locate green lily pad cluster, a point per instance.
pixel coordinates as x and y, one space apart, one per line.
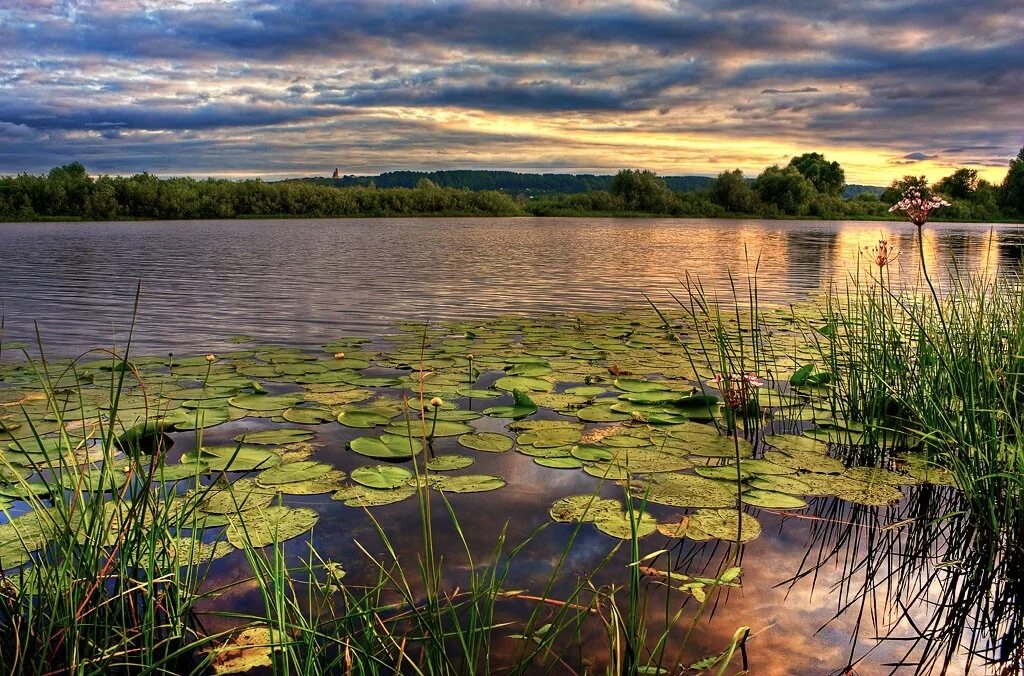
611 395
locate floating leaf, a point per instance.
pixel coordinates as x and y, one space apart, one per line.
284 435
522 406
242 495
232 458
723 472
765 468
477 394
308 415
513 383
582 508
387 446
440 428
200 418
447 463
356 495
381 476
559 462
466 483
550 438
772 499
629 385
808 462
293 471
725 524
490 442
601 413
686 490
269 525
781 483
264 402
592 453
328 483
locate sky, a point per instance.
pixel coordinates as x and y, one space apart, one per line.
241 88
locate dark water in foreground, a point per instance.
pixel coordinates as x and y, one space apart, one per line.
308 282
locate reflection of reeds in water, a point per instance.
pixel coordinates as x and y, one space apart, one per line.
921 573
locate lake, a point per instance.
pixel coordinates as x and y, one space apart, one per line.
305 282
814 594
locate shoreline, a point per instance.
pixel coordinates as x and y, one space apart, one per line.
591 215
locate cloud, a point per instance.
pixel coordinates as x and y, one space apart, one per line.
802 90
917 157
612 77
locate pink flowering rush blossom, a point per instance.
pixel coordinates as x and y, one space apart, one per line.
917 208
883 254
737 388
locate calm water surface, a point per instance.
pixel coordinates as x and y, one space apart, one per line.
305 282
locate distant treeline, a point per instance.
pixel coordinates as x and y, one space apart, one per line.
506 181
68 192
808 187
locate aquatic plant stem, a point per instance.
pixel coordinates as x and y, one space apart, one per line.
739 490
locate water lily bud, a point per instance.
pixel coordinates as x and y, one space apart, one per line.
211 358
339 355
436 401
469 357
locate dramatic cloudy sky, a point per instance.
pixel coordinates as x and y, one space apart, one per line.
297 87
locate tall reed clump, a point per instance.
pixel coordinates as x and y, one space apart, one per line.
117 563
940 371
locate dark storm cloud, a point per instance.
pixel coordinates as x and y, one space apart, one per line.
888 75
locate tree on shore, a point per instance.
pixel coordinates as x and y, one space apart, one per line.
785 189
899 186
731 191
641 190
827 177
1012 190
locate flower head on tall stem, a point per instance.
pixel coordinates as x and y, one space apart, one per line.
917 208
883 254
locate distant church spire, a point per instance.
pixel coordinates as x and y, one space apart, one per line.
335 173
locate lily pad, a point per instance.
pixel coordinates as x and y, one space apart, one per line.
490 442
450 462
686 490
466 483
293 471
780 483
284 435
808 462
387 446
264 402
363 419
308 415
521 407
356 495
601 413
772 499
440 428
381 476
559 462
725 524
233 458
513 383
550 438
327 483
262 527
